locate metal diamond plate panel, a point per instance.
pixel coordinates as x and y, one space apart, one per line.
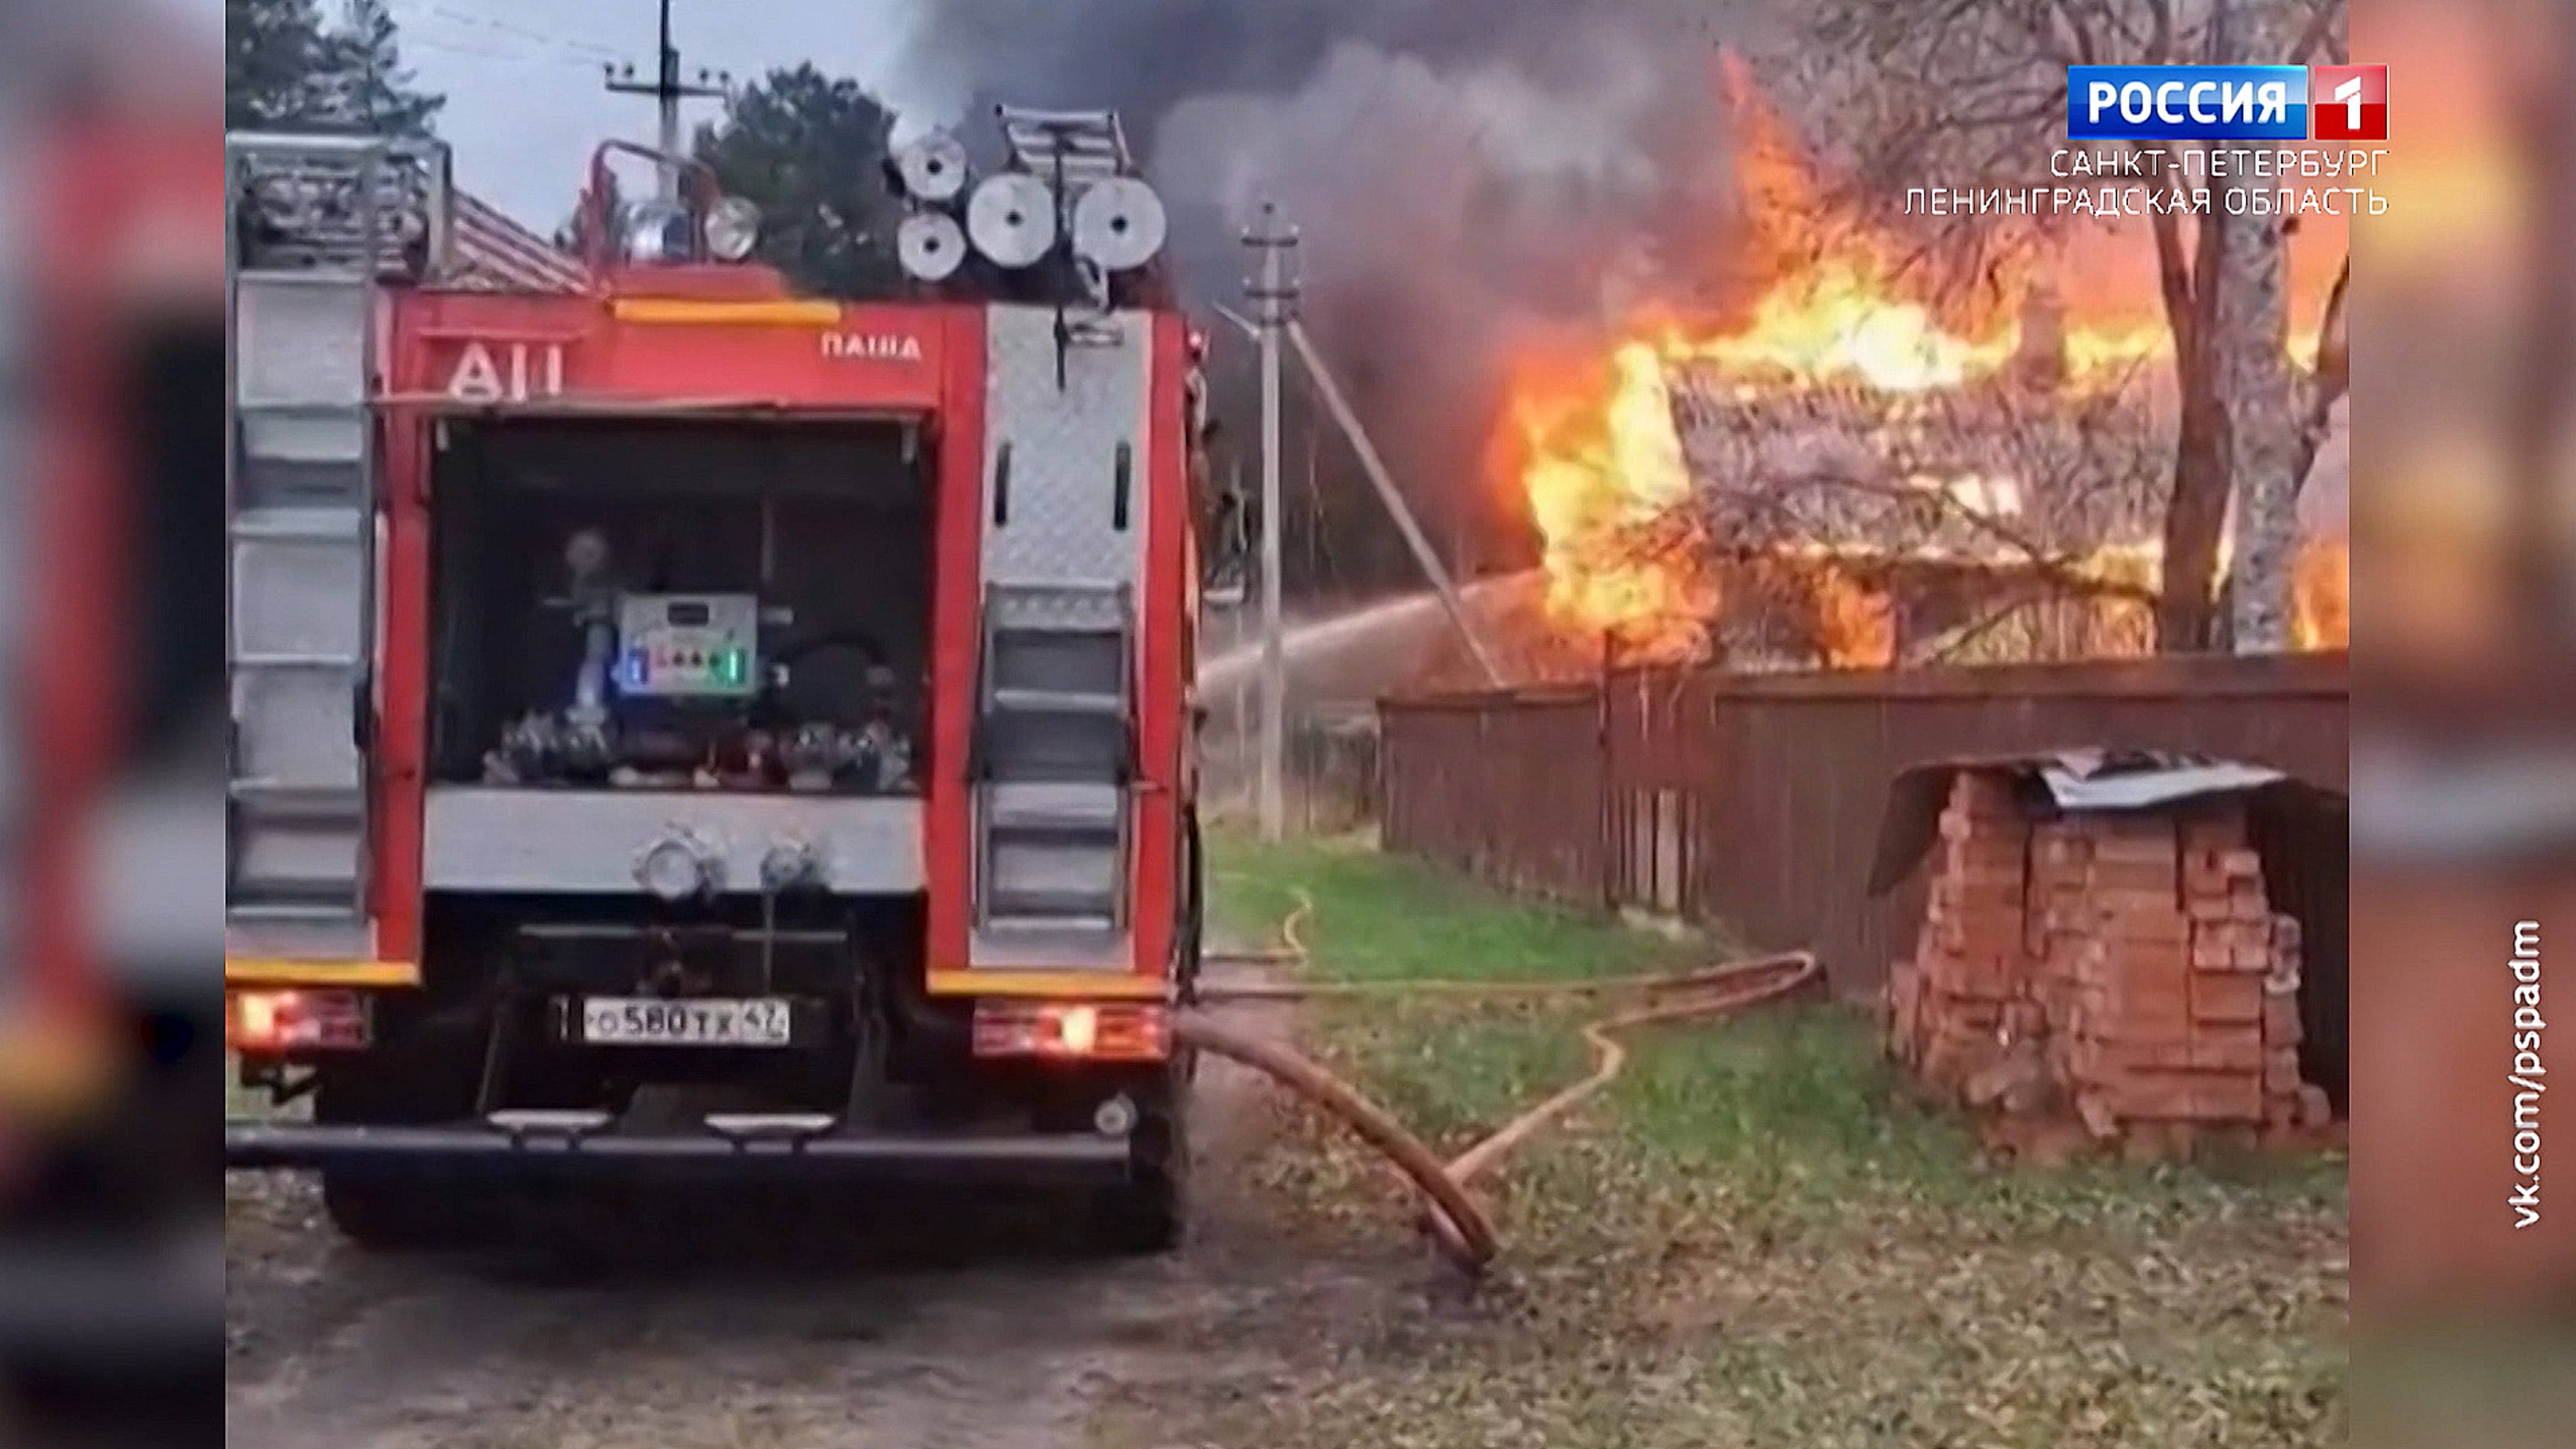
302 342
1061 521
293 728
299 596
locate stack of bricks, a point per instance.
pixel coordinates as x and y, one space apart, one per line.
2133 954
2058 927
2245 969
1965 993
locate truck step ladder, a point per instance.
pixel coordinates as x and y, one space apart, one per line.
301 526
1056 758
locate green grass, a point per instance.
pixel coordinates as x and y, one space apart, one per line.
1381 917
1756 1236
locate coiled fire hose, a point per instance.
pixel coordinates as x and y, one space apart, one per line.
1457 1222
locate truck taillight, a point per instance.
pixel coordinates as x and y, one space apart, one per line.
1073 1030
296 1020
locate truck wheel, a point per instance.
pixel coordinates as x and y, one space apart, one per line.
388 1212
390 1209
1147 1214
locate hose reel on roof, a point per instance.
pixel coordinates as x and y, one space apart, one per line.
933 168
1069 192
930 245
1010 216
1118 223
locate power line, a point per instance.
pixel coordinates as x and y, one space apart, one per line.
485 52
668 90
589 51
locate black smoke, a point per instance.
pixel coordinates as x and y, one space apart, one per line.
1463 173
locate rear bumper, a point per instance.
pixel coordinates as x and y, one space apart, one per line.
1017 1158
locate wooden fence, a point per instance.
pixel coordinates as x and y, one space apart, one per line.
1752 802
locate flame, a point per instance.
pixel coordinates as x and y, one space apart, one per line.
1855 623
2321 595
1593 450
1588 440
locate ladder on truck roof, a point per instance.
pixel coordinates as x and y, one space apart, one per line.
315 224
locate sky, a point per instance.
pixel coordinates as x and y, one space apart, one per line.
525 99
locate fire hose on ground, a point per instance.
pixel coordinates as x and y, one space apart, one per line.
1457 1222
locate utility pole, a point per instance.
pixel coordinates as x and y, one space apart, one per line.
1375 467
666 89
1274 307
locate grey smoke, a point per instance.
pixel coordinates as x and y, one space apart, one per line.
1462 171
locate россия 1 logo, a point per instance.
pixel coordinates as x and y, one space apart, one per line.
2226 102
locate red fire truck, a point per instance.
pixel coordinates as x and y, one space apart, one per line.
685 727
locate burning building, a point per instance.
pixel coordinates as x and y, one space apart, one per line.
1857 467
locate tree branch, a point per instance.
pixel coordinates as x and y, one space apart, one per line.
2320 33
2327 385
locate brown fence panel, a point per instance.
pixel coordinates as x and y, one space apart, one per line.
1753 801
1506 788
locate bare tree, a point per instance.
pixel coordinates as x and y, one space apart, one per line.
2014 500
1971 93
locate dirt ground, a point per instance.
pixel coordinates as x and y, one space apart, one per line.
958 1335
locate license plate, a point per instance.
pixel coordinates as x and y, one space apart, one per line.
760 1021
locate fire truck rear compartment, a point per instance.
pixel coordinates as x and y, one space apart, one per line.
544 528
798 877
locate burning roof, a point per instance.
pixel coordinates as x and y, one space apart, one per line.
1850 418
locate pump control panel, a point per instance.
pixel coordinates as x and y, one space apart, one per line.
688 646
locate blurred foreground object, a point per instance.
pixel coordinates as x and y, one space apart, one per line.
110 1269
2464 761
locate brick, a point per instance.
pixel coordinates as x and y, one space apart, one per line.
2060 856
1968 829
2242 864
2248 946
2212 908
2177 1054
2190 1096
2245 902
2231 1048
2211 950
2132 959
2281 1070
2140 916
2203 868
2226 998
1972 1013
2227 1097
2281 1023
2024 1019
1986 943
2139 839
2146 1016
2000 904
2107 1062
1986 880
2158 878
